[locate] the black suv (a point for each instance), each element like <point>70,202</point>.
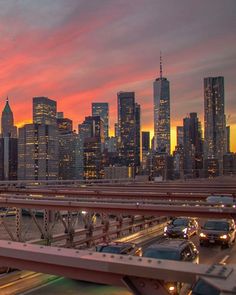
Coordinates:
<point>176,249</point>
<point>182,227</point>
<point>119,248</point>
<point>218,231</point>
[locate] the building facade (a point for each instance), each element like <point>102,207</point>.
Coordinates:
<point>161,89</point>
<point>44,111</point>
<point>193,146</point>
<point>127,128</point>
<point>214,120</point>
<point>38,152</point>
<point>102,109</point>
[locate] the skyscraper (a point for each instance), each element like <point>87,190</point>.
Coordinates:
<point>8,145</point>
<point>145,141</point>
<point>127,128</point>
<point>102,109</point>
<point>145,149</point>
<point>193,145</point>
<point>92,135</point>
<point>214,120</point>
<point>180,135</point>
<point>137,134</point>
<point>38,152</point>
<point>161,87</point>
<point>7,127</point>
<point>44,111</point>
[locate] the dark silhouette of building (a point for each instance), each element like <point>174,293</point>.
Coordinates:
<point>193,146</point>
<point>8,145</point>
<point>229,164</point>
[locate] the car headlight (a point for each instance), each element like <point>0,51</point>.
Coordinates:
<point>171,288</point>
<point>224,237</point>
<point>165,228</point>
<point>185,230</point>
<point>202,235</point>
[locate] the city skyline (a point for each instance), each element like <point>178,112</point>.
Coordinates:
<point>45,54</point>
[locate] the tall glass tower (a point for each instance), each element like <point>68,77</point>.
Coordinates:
<point>214,120</point>
<point>161,89</point>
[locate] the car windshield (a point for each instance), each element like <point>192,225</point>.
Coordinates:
<point>180,222</point>
<point>202,288</point>
<point>216,225</point>
<point>111,249</point>
<point>162,254</point>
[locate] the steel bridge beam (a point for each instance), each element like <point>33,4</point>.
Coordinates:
<point>112,269</point>
<point>119,208</point>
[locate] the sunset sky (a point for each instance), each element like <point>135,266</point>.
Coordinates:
<point>81,51</point>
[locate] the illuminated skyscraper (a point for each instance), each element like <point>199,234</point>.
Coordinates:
<point>38,143</point>
<point>127,128</point>
<point>161,87</point>
<point>92,134</point>
<point>38,152</point>
<point>214,120</point>
<point>44,111</point>
<point>102,109</point>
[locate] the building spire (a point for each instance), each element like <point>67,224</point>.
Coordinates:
<point>160,65</point>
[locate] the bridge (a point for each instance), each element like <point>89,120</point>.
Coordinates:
<point>143,200</point>
<point>140,275</point>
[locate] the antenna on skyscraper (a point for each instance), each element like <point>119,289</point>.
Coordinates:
<point>160,65</point>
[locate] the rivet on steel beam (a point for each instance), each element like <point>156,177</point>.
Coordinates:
<point>77,252</point>
<point>121,257</point>
<point>140,259</point>
<point>130,258</point>
<point>90,253</point>
<point>104,255</point>
<point>25,245</point>
<point>41,247</point>
<point>158,261</point>
<point>142,284</point>
<point>112,256</point>
<point>9,243</point>
<point>149,260</point>
<point>58,249</point>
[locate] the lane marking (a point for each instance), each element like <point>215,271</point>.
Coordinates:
<point>223,261</point>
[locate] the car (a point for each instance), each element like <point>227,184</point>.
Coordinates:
<point>181,227</point>
<point>203,287</point>
<point>119,248</point>
<point>173,249</point>
<point>218,231</point>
